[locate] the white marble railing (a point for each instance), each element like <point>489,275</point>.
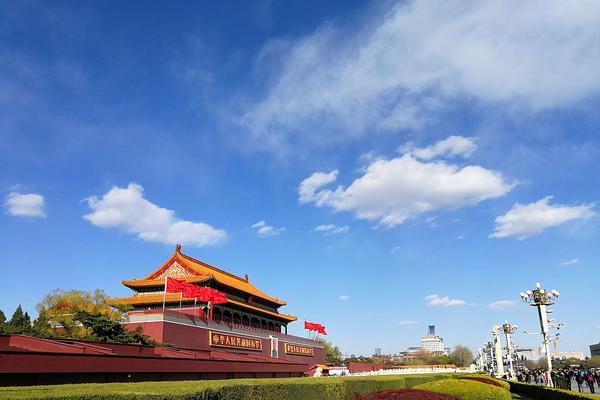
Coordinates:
<point>403,371</point>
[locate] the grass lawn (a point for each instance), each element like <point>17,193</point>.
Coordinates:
<point>232,389</point>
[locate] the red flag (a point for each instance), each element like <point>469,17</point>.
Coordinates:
<point>204,294</point>
<point>315,327</point>
<point>218,298</point>
<point>175,285</point>
<point>321,329</point>
<point>310,326</point>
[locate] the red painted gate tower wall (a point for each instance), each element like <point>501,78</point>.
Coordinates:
<point>248,324</point>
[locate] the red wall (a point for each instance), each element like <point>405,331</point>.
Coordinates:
<point>191,337</point>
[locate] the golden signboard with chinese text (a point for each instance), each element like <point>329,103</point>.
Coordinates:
<point>234,342</point>
<point>294,349</point>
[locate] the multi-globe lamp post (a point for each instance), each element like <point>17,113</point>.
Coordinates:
<point>541,299</point>
<point>508,330</point>
<point>496,330</point>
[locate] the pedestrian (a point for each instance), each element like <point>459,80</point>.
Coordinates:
<point>579,381</point>
<point>590,382</point>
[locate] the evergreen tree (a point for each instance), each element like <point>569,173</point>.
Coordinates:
<point>105,329</point>
<point>20,323</point>
<point>2,321</point>
<point>42,328</point>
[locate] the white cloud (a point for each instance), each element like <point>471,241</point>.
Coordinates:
<point>525,220</point>
<point>502,304</point>
<point>29,205</point>
<point>434,300</point>
<point>400,67</point>
<point>308,187</point>
<point>569,262</point>
<point>126,209</point>
<point>407,322</point>
<point>331,229</point>
<point>390,191</point>
<point>453,146</point>
<point>344,297</point>
<point>264,230</point>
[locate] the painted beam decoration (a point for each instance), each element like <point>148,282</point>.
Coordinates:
<point>297,350</point>
<point>235,342</point>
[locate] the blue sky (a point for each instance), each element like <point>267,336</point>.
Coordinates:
<point>380,166</point>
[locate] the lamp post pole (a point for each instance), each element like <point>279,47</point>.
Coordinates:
<point>508,331</point>
<point>490,355</point>
<point>498,350</point>
<point>541,299</point>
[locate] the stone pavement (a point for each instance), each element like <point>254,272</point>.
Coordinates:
<point>585,388</point>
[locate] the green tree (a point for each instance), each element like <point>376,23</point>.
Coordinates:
<point>461,356</point>
<point>42,326</point>
<point>2,321</point>
<point>20,322</point>
<point>333,354</point>
<point>104,329</point>
<point>59,308</point>
<point>593,362</point>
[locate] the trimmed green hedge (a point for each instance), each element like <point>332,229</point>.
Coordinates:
<point>466,389</point>
<point>234,389</point>
<point>501,382</point>
<point>546,393</point>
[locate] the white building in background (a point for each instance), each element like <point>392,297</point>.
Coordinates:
<point>568,354</point>
<point>433,343</point>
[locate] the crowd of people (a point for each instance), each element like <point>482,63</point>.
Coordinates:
<point>566,378</point>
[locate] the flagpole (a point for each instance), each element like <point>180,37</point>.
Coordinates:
<point>195,299</point>
<point>180,298</point>
<point>165,296</point>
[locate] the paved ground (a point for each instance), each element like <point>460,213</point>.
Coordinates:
<point>585,388</point>
<point>520,397</point>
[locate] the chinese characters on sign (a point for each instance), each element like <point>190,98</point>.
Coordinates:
<point>298,350</point>
<point>237,342</point>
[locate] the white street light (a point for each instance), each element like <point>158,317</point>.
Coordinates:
<point>508,331</point>
<point>541,299</point>
<point>498,350</point>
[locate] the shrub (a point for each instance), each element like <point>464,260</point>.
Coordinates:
<point>404,394</point>
<point>546,393</point>
<point>466,389</point>
<point>487,379</point>
<point>234,389</point>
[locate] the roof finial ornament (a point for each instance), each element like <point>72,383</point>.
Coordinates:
<point>246,277</point>
<point>178,248</point>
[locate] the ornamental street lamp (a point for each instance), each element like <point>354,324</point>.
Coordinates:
<point>489,355</point>
<point>508,331</point>
<point>498,350</point>
<point>541,299</point>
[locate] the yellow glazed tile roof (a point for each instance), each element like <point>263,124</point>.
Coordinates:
<point>175,297</point>
<point>204,272</point>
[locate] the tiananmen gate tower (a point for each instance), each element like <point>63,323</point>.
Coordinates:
<point>244,337</point>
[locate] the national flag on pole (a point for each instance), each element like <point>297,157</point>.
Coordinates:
<point>176,286</point>
<point>311,326</point>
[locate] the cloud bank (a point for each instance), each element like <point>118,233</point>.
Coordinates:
<point>525,220</point>
<point>390,191</point>
<point>264,230</point>
<point>27,205</point>
<point>126,209</point>
<point>395,70</point>
<point>434,300</point>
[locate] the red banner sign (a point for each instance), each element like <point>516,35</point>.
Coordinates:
<point>236,342</point>
<point>298,350</point>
